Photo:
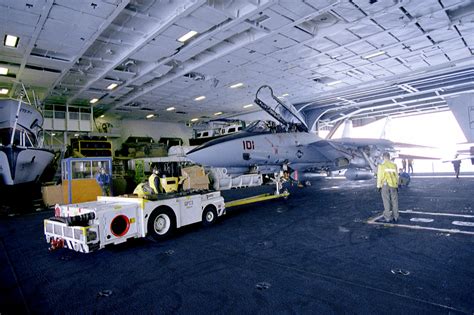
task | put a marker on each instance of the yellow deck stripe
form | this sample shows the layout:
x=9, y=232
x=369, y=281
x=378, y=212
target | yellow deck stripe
x=254, y=199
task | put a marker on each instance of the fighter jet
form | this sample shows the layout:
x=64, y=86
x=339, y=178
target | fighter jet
x=268, y=146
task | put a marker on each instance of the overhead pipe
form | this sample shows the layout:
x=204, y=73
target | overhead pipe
x=364, y=109
x=313, y=124
x=181, y=8
x=387, y=88
x=199, y=39
x=219, y=50
x=89, y=42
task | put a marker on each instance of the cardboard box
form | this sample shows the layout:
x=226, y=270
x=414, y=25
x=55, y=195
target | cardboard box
x=196, y=178
x=193, y=171
x=188, y=185
x=52, y=194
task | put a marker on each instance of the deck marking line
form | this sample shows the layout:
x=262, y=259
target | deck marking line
x=425, y=220
x=463, y=223
x=416, y=227
x=439, y=213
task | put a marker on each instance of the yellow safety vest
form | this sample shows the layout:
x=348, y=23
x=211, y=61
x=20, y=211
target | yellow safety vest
x=151, y=182
x=387, y=173
x=141, y=191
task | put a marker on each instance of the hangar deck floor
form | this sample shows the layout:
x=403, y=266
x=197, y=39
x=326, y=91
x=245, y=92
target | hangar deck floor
x=313, y=253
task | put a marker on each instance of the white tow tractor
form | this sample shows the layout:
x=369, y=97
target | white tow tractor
x=90, y=226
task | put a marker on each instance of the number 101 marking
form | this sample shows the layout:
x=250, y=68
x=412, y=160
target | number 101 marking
x=248, y=145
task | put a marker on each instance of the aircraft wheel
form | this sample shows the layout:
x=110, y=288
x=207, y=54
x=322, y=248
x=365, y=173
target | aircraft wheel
x=209, y=215
x=161, y=224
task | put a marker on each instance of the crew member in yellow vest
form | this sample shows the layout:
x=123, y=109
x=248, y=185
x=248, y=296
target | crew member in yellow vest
x=387, y=184
x=154, y=181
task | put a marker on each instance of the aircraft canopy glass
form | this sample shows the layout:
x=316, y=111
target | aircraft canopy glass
x=267, y=126
x=262, y=126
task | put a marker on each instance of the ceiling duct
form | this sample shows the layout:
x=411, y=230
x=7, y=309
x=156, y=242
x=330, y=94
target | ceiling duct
x=40, y=53
x=322, y=25
x=196, y=76
x=126, y=66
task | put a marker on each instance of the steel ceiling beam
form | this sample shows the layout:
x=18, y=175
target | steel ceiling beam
x=48, y=4
x=180, y=10
x=239, y=41
x=89, y=42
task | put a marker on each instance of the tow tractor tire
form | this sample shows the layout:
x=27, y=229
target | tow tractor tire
x=209, y=215
x=161, y=224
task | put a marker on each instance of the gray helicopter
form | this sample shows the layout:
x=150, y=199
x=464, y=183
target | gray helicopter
x=267, y=147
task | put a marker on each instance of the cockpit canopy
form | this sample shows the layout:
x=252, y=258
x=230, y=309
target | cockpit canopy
x=268, y=126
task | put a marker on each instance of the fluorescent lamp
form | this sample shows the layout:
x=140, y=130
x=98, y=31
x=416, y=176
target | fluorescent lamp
x=4, y=91
x=3, y=71
x=218, y=113
x=11, y=41
x=94, y=100
x=101, y=116
x=375, y=54
x=286, y=94
x=334, y=82
x=150, y=116
x=234, y=86
x=195, y=119
x=112, y=86
x=248, y=105
x=187, y=36
x=169, y=109
x=200, y=98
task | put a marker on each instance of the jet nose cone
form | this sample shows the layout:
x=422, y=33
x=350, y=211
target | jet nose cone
x=198, y=155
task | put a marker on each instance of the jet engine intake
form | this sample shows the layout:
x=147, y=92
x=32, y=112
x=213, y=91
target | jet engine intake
x=341, y=162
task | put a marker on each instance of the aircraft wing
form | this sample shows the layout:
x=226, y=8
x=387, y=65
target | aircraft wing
x=363, y=142
x=329, y=149
x=470, y=157
x=416, y=156
x=403, y=149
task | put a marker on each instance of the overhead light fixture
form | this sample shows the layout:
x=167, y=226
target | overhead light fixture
x=200, y=98
x=169, y=109
x=334, y=82
x=284, y=95
x=248, y=105
x=11, y=41
x=150, y=116
x=101, y=116
x=218, y=113
x=194, y=119
x=4, y=91
x=94, y=100
x=112, y=86
x=375, y=54
x=187, y=36
x=3, y=71
x=53, y=134
x=76, y=135
x=234, y=86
